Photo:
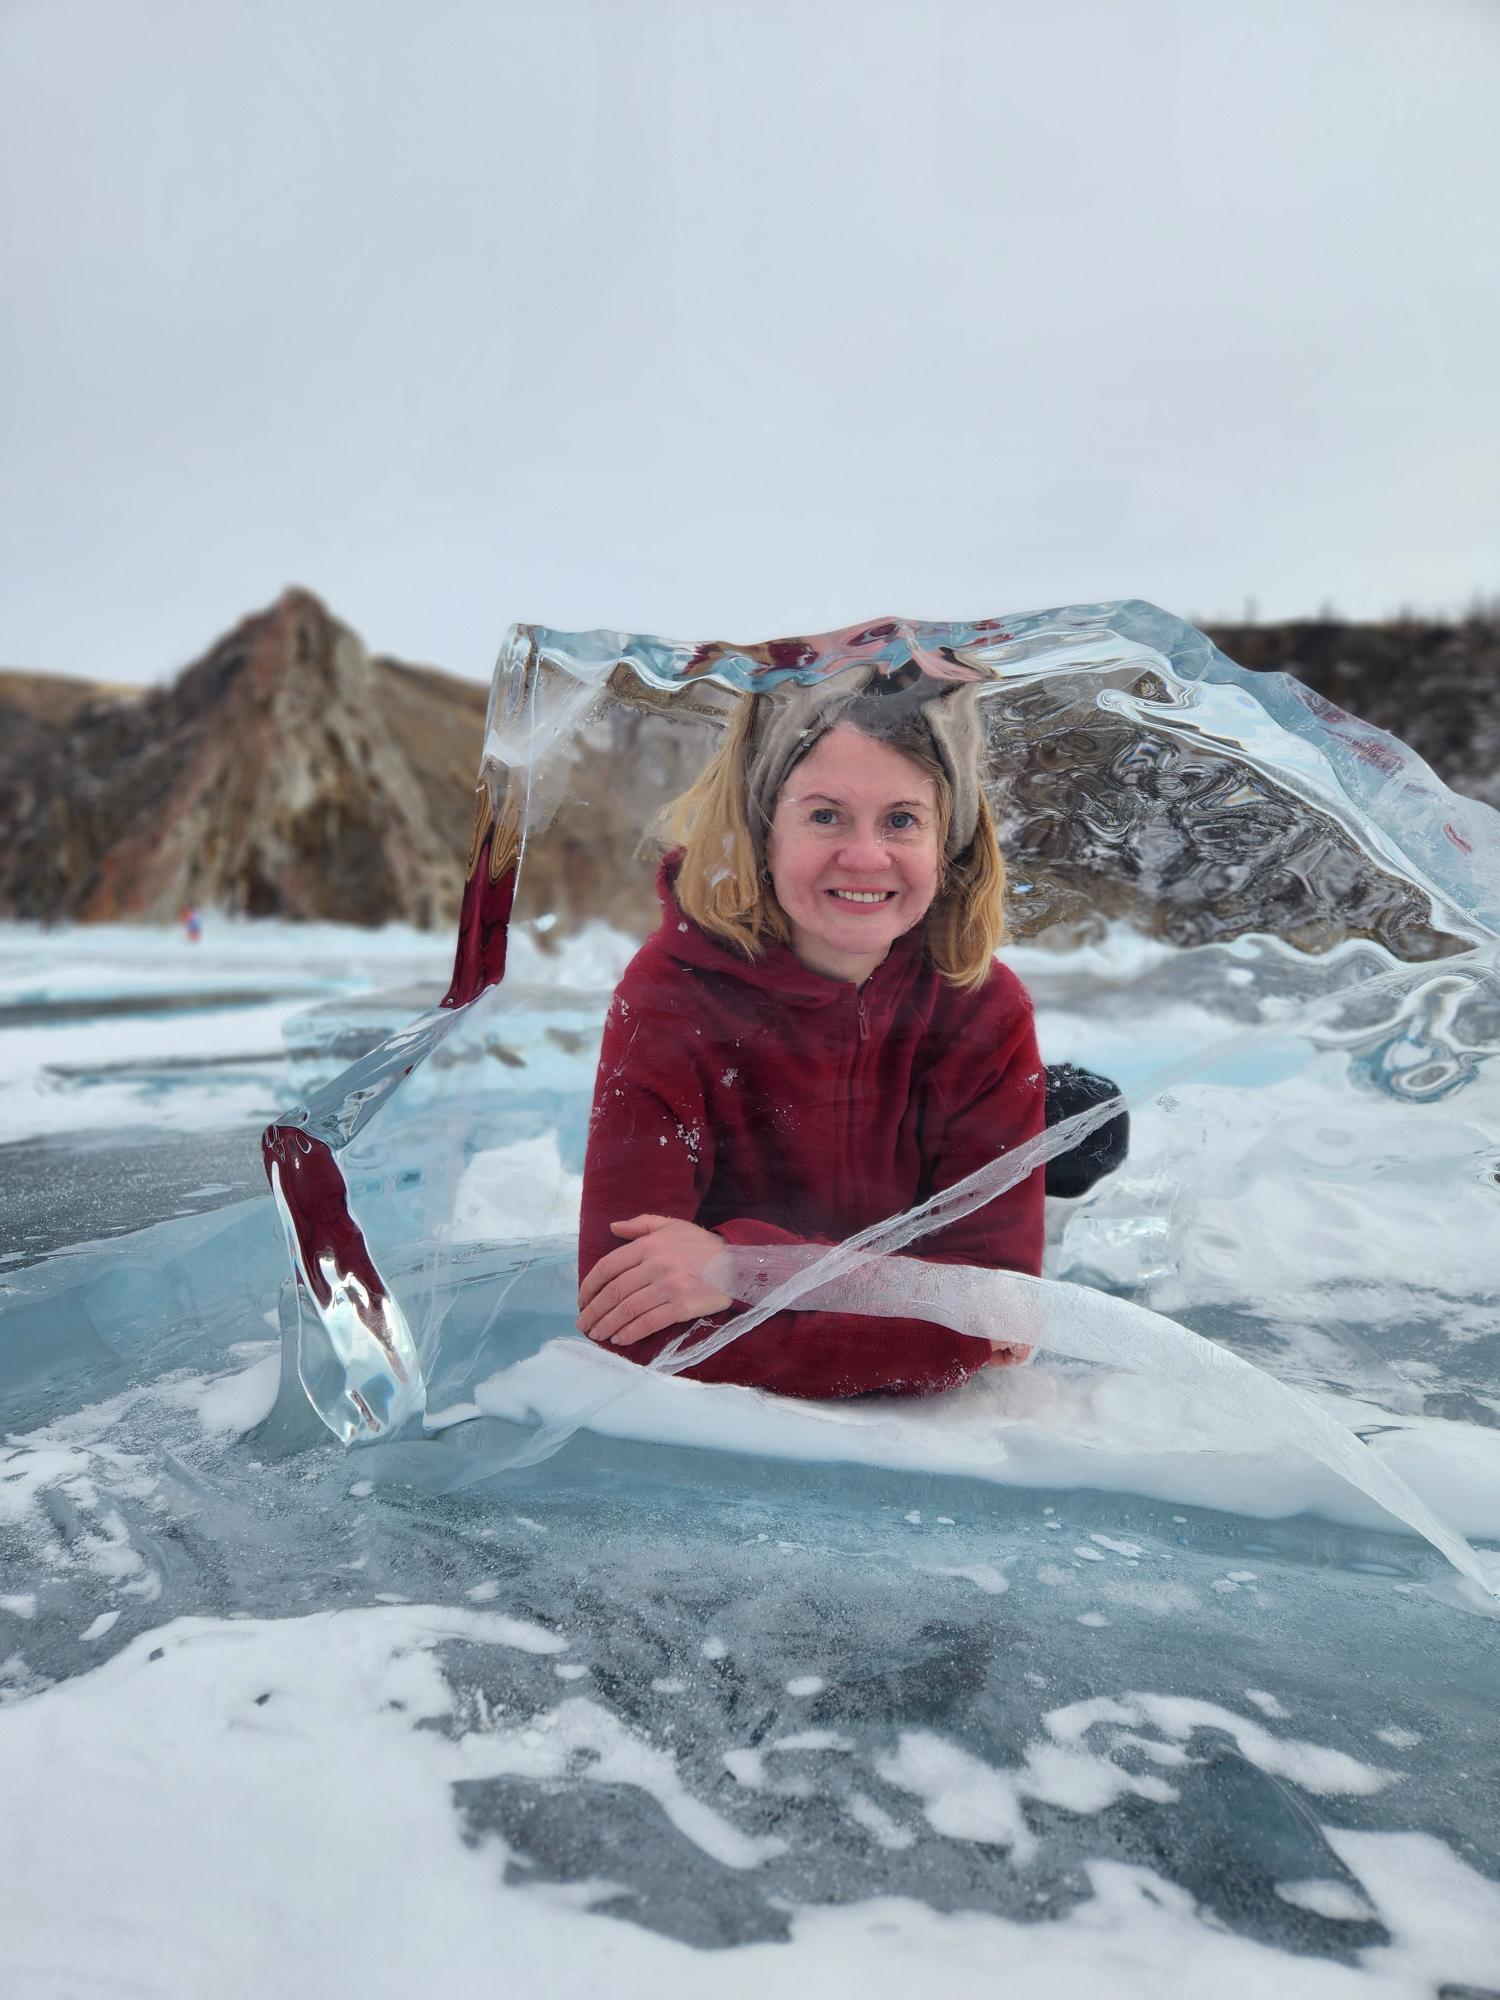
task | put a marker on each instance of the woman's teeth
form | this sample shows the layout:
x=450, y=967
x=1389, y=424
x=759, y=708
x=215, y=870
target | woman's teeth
x=863, y=895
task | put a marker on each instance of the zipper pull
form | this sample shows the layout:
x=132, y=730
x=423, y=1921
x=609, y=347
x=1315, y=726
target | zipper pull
x=864, y=1026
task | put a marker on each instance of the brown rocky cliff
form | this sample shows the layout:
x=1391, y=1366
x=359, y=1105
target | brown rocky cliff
x=285, y=774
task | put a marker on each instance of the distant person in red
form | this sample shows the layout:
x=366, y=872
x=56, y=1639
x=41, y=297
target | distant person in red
x=817, y=1037
x=191, y=923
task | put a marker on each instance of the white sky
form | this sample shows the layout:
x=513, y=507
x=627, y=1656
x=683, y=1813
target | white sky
x=737, y=317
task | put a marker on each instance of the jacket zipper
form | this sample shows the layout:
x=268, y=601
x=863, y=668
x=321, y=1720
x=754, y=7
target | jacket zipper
x=848, y=1094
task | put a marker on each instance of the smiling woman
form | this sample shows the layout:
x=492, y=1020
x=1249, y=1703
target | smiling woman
x=818, y=1036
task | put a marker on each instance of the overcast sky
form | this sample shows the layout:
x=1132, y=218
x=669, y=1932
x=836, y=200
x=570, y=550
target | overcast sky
x=737, y=319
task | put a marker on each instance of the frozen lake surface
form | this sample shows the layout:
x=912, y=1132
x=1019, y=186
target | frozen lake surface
x=1061, y=1683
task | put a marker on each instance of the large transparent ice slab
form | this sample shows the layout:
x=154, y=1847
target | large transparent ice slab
x=1139, y=777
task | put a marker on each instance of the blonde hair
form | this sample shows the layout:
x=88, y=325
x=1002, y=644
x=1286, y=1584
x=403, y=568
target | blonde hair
x=722, y=885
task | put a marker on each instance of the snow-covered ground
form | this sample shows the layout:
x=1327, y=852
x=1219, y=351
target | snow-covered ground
x=1062, y=1684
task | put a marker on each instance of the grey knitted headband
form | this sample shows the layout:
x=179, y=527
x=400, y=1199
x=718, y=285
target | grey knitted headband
x=790, y=722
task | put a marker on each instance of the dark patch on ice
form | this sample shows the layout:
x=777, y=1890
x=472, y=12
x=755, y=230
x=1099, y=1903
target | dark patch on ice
x=1464, y=1407
x=114, y=1006
x=615, y=1834
x=60, y=1193
x=162, y=1067
x=1236, y=1832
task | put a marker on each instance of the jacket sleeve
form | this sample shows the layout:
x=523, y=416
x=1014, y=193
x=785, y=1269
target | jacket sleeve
x=651, y=1151
x=650, y=1142
x=981, y=1106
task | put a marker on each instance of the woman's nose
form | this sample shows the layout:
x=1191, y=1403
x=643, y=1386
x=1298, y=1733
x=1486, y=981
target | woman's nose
x=863, y=848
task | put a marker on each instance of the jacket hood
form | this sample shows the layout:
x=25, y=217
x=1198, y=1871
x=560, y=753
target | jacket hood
x=777, y=969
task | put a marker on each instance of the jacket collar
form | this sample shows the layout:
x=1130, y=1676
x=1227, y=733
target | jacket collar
x=777, y=969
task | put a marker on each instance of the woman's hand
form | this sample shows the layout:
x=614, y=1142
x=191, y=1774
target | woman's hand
x=664, y=1274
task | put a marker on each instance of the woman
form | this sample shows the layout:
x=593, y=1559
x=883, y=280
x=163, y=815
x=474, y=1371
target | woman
x=816, y=1038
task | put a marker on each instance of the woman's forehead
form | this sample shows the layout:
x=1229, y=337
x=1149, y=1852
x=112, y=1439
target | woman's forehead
x=847, y=764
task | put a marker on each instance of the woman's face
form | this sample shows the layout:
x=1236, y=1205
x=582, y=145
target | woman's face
x=853, y=852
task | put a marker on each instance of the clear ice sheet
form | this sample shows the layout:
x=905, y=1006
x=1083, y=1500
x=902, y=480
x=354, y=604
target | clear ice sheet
x=816, y=1681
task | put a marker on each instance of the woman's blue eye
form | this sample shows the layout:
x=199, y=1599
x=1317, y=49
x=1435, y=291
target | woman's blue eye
x=903, y=821
x=823, y=816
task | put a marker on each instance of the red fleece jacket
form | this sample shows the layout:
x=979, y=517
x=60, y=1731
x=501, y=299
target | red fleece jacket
x=773, y=1105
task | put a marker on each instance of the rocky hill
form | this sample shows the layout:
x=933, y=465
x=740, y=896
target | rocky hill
x=286, y=773
x=290, y=773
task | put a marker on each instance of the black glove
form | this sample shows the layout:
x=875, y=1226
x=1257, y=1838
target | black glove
x=1071, y=1090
